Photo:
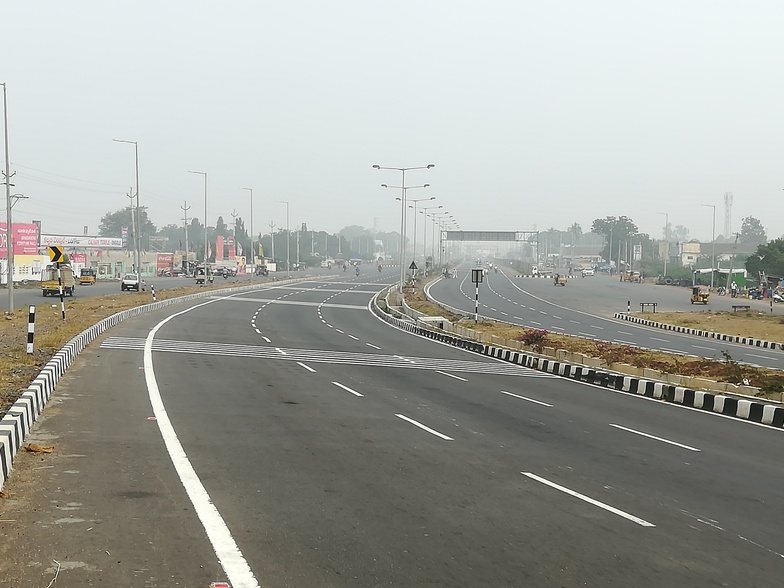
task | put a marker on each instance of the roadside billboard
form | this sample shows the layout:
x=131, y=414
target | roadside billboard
x=164, y=261
x=24, y=239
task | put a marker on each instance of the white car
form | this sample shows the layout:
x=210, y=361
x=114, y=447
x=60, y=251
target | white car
x=587, y=271
x=132, y=282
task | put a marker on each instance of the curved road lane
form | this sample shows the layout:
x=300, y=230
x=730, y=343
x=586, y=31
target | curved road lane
x=343, y=452
x=536, y=303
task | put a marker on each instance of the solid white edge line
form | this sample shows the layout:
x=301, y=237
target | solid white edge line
x=307, y=367
x=229, y=555
x=347, y=389
x=527, y=399
x=590, y=500
x=424, y=427
x=663, y=440
x=451, y=375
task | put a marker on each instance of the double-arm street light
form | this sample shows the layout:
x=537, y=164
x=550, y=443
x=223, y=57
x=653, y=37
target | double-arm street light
x=415, y=218
x=206, y=257
x=424, y=210
x=138, y=229
x=441, y=220
x=713, y=241
x=252, y=249
x=288, y=240
x=403, y=189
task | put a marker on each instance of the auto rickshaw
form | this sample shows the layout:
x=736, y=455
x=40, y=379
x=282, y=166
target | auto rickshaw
x=559, y=280
x=87, y=275
x=700, y=294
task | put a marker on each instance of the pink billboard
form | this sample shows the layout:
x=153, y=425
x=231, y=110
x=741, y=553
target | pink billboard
x=24, y=237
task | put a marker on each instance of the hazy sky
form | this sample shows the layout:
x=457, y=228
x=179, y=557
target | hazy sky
x=536, y=114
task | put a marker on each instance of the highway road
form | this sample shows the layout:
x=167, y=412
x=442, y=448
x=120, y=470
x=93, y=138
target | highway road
x=30, y=293
x=288, y=437
x=584, y=307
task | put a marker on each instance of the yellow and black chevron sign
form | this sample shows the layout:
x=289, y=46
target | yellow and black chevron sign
x=56, y=254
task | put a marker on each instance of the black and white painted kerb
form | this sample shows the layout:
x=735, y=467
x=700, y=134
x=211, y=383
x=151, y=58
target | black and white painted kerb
x=700, y=332
x=750, y=410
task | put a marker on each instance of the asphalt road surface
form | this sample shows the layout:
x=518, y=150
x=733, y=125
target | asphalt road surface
x=30, y=293
x=287, y=437
x=584, y=307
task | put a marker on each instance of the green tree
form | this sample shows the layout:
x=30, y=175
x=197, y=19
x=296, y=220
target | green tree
x=112, y=224
x=752, y=231
x=679, y=234
x=769, y=258
x=616, y=230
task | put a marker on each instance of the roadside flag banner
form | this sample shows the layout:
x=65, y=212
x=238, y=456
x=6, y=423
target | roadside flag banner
x=261, y=250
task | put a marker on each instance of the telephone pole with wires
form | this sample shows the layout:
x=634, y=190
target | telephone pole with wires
x=185, y=208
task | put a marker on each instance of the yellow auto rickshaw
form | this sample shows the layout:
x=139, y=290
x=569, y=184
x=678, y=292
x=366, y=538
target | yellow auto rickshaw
x=700, y=294
x=87, y=275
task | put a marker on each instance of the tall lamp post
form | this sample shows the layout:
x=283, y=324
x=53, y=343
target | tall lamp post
x=713, y=242
x=424, y=210
x=403, y=225
x=403, y=188
x=136, y=237
x=288, y=240
x=206, y=257
x=441, y=219
x=666, y=239
x=9, y=245
x=252, y=249
x=415, y=218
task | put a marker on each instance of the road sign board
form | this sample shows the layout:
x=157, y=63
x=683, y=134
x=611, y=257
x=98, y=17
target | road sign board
x=56, y=254
x=477, y=275
x=413, y=266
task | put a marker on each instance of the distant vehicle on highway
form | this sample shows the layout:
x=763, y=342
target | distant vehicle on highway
x=587, y=271
x=132, y=282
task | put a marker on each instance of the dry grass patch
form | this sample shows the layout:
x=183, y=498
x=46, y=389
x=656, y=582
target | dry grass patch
x=720, y=369
x=758, y=325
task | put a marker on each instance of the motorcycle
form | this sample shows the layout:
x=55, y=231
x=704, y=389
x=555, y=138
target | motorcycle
x=357, y=271
x=734, y=293
x=379, y=269
x=721, y=290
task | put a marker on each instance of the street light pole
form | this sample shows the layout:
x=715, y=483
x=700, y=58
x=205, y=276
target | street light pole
x=666, y=239
x=9, y=241
x=206, y=257
x=403, y=188
x=424, y=232
x=713, y=242
x=252, y=249
x=415, y=219
x=288, y=240
x=136, y=237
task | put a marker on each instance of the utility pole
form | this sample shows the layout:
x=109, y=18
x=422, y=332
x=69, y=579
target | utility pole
x=272, y=238
x=185, y=209
x=131, y=195
x=9, y=242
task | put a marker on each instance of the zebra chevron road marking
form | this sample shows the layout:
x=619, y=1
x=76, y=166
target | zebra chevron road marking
x=325, y=356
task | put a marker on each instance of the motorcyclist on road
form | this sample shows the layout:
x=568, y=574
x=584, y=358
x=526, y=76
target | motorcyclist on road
x=344, y=267
x=357, y=270
x=734, y=289
x=379, y=268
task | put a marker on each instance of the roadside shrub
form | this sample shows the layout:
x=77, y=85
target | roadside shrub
x=535, y=338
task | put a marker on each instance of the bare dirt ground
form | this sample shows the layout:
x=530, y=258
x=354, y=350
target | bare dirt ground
x=755, y=325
